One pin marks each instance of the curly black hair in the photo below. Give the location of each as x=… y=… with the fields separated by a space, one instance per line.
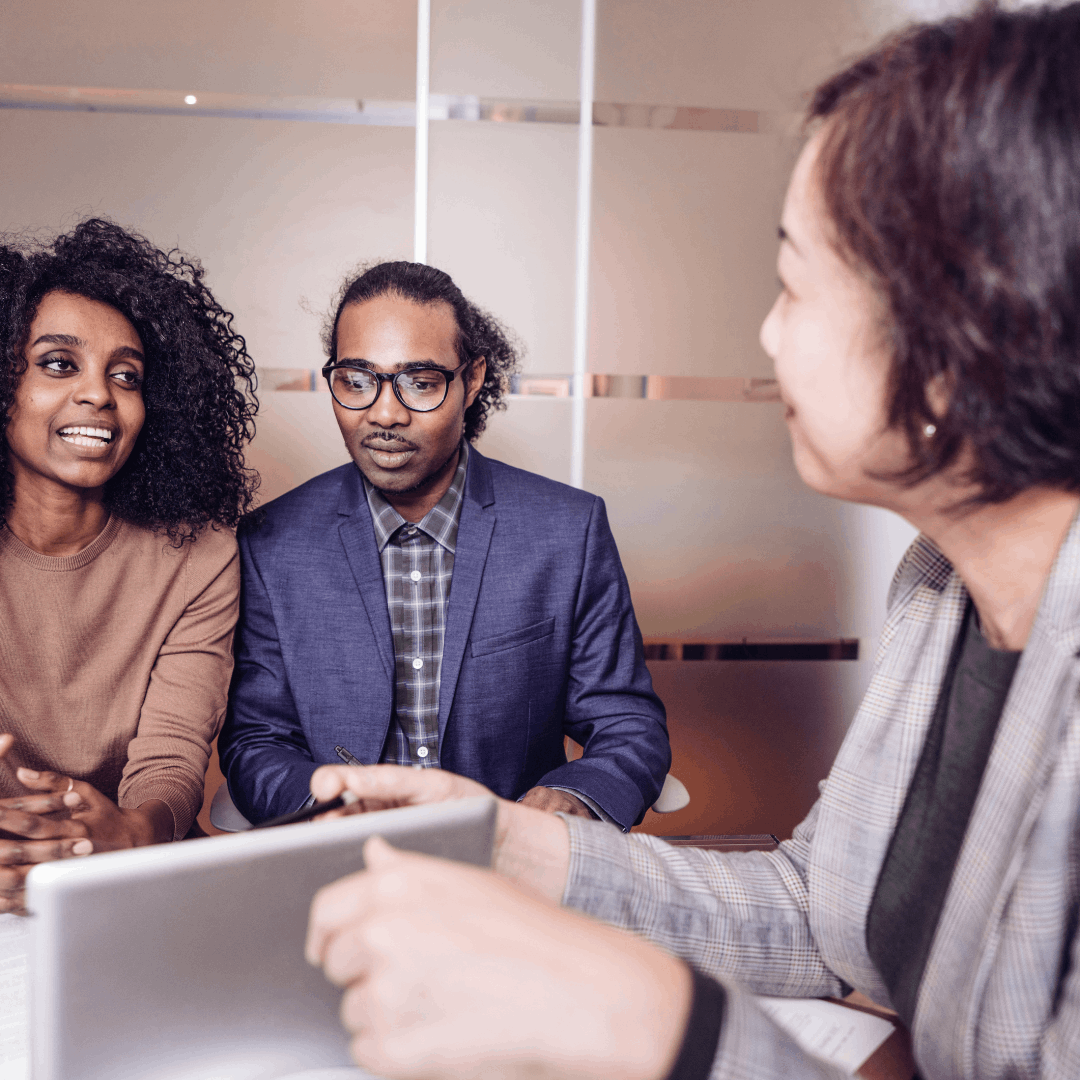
x=187 y=468
x=479 y=334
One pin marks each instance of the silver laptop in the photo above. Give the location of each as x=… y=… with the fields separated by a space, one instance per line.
x=185 y=961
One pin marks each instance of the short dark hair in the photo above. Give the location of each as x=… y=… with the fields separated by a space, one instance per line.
x=950 y=169
x=479 y=334
x=187 y=467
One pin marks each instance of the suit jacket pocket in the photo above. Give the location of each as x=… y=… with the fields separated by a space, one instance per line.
x=514 y=638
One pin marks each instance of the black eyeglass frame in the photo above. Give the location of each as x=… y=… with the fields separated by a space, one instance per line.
x=392 y=378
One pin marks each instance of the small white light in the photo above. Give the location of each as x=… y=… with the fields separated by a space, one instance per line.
x=190 y=99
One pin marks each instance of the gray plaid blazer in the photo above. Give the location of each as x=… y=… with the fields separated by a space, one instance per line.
x=1000 y=996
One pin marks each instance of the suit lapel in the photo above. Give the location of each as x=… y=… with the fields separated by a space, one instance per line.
x=361 y=551
x=473 y=542
x=1009 y=802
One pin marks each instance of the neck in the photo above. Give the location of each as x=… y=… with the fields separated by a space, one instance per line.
x=1003 y=554
x=53 y=520
x=414 y=505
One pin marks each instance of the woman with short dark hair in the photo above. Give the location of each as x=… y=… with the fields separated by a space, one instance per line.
x=927 y=347
x=125 y=398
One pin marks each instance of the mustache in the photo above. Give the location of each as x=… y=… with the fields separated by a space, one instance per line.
x=387 y=441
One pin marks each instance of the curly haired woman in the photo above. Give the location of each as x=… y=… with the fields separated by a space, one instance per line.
x=125 y=403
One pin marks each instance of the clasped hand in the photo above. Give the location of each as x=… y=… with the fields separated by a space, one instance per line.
x=63 y=819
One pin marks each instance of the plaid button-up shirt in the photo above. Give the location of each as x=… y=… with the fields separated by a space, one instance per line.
x=417 y=564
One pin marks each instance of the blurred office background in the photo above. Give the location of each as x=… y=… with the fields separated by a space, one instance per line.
x=277 y=141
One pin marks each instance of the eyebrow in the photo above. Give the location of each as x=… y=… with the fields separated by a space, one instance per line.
x=123 y=352
x=59 y=339
x=409 y=365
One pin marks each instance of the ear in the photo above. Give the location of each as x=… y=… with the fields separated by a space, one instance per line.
x=939 y=393
x=474 y=379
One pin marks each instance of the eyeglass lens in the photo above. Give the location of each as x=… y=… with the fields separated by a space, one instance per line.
x=419 y=390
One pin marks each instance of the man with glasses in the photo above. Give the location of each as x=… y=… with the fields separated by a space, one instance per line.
x=426 y=606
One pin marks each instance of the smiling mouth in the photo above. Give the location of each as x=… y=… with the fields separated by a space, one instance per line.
x=86 y=436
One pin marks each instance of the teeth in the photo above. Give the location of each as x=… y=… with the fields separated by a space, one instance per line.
x=89 y=432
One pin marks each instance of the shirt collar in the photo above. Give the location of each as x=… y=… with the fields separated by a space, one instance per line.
x=440 y=522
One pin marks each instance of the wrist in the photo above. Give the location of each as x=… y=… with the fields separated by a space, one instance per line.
x=531 y=848
x=152 y=823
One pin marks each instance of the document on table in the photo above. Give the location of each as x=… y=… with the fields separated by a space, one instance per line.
x=841 y=1036
x=14 y=998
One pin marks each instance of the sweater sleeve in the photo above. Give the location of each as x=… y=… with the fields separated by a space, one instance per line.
x=189 y=684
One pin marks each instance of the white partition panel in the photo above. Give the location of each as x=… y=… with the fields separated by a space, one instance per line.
x=501 y=223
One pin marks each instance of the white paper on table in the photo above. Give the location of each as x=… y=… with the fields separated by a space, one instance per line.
x=841 y=1036
x=14 y=998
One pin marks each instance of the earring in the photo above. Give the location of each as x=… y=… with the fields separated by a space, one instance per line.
x=929 y=430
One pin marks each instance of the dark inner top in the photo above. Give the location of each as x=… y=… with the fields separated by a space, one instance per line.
x=922 y=854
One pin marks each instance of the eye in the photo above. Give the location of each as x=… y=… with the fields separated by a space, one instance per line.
x=424 y=382
x=354 y=379
x=128 y=378
x=57 y=365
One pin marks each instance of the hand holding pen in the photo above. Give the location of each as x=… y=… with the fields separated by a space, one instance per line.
x=317 y=809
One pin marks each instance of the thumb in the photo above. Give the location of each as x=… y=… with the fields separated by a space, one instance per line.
x=379 y=855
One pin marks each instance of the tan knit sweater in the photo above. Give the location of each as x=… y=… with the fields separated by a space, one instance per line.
x=115 y=662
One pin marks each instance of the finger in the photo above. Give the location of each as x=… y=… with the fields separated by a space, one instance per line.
x=45 y=781
x=13 y=905
x=334 y=907
x=40 y=851
x=353 y=899
x=36 y=827
x=13 y=878
x=392 y=785
x=7 y=741
x=35 y=804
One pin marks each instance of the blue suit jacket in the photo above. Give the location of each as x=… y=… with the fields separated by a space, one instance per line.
x=541 y=642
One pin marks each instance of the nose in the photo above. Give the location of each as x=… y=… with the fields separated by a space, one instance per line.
x=387 y=411
x=769 y=334
x=94 y=388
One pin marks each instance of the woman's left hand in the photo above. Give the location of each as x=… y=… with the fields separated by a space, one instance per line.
x=108 y=826
x=31 y=834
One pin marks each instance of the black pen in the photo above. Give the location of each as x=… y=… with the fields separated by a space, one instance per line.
x=349 y=759
x=306 y=813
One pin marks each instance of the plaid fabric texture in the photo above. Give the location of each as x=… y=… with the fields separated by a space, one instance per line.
x=1000 y=995
x=417 y=564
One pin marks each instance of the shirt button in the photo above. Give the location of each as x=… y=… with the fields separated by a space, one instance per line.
x=415 y=575
x=418 y=663
x=422 y=752
x=411 y=531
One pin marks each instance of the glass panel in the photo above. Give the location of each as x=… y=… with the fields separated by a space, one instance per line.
x=745 y=548
x=502 y=215
x=492 y=49
x=531 y=434
x=363 y=49
x=742 y=54
x=683 y=251
x=278 y=212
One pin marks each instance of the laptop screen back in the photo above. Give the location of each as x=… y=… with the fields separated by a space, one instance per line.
x=185 y=961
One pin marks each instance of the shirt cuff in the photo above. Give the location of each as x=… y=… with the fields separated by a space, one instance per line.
x=702 y=1035
x=595 y=809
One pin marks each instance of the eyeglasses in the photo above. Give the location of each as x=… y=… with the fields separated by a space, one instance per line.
x=419 y=390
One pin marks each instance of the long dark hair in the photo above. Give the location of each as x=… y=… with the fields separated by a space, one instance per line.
x=479 y=334
x=950 y=167
x=187 y=467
